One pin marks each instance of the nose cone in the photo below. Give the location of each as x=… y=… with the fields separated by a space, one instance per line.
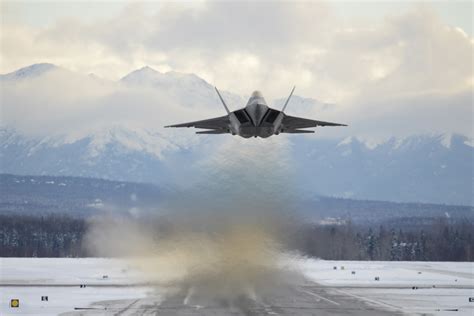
x=256 y=107
x=256 y=98
x=256 y=94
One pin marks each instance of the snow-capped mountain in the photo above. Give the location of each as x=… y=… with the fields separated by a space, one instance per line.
x=147 y=76
x=135 y=147
x=187 y=89
x=115 y=153
x=417 y=168
x=32 y=71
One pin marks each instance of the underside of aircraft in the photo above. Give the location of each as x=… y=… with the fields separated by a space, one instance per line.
x=256 y=119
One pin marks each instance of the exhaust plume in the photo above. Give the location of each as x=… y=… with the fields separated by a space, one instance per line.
x=220 y=238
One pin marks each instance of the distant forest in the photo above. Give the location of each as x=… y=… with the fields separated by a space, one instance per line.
x=436 y=240
x=41 y=236
x=441 y=240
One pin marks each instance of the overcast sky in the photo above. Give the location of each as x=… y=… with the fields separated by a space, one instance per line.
x=381 y=62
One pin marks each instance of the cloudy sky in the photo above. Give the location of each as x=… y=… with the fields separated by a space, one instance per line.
x=402 y=65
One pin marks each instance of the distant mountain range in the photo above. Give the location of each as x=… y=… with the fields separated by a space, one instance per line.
x=84 y=197
x=419 y=168
x=74 y=196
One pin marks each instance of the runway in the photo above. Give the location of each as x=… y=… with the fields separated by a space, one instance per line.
x=308 y=299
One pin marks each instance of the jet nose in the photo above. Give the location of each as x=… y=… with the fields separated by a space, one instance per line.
x=256 y=94
x=256 y=97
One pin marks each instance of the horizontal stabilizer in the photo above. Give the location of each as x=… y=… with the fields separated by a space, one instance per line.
x=297 y=131
x=217 y=131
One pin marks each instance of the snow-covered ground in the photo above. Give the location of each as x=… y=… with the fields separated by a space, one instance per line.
x=27 y=279
x=393 y=274
x=68 y=271
x=442 y=286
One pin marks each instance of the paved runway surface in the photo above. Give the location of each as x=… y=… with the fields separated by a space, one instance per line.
x=310 y=299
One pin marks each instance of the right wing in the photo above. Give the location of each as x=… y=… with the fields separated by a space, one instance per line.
x=219 y=123
x=293 y=122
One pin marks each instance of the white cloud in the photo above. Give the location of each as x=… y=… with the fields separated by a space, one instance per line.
x=407 y=73
x=63 y=102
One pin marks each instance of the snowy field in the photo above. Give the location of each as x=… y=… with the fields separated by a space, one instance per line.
x=442 y=288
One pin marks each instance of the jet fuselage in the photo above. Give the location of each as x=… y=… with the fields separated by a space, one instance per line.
x=256 y=119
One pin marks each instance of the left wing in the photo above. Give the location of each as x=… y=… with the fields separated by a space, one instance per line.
x=221 y=122
x=293 y=122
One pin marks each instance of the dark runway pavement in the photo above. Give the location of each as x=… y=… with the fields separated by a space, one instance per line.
x=308 y=299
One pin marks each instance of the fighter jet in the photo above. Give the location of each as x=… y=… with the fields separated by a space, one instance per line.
x=257 y=119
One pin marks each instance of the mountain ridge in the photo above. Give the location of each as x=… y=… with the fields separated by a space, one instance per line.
x=420 y=166
x=426 y=167
x=85 y=196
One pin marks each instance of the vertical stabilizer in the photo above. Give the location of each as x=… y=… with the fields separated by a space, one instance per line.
x=288 y=100
x=222 y=100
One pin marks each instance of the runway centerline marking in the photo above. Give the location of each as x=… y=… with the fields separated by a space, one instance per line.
x=320 y=297
x=127 y=307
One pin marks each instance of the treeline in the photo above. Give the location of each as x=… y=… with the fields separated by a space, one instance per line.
x=43 y=236
x=440 y=240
